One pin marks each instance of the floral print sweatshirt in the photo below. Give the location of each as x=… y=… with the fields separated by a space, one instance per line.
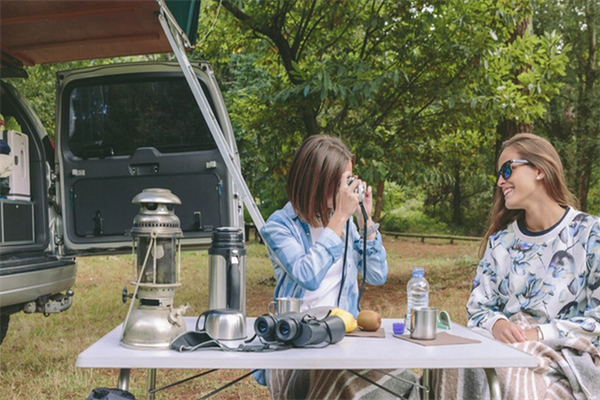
x=553 y=275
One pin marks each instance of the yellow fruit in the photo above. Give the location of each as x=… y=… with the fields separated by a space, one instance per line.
x=369 y=320
x=349 y=320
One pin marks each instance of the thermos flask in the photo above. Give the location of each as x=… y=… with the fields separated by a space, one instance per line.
x=227 y=270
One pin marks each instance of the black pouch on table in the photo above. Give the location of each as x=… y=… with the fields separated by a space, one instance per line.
x=193 y=340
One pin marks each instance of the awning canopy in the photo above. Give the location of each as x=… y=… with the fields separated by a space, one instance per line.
x=48 y=31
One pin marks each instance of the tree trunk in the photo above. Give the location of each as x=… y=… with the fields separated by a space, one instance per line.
x=586 y=130
x=378 y=198
x=309 y=116
x=587 y=151
x=509 y=128
x=583 y=188
x=586 y=146
x=456 y=197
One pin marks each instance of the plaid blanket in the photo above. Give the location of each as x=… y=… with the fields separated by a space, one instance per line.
x=341 y=384
x=568 y=368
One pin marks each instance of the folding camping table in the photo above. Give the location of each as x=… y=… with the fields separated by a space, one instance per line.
x=352 y=353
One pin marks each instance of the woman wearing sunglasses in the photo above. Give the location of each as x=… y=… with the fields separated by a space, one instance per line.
x=537 y=286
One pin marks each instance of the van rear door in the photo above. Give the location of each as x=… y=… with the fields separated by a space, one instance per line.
x=124 y=128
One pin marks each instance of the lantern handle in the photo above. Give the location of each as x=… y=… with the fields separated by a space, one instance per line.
x=137 y=285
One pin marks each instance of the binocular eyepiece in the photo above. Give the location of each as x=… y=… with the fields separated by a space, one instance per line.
x=300 y=330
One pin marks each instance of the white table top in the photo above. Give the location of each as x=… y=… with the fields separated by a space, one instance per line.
x=350 y=353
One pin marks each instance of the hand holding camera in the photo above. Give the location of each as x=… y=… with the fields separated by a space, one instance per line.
x=360 y=189
x=348 y=202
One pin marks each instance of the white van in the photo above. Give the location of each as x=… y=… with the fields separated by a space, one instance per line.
x=119 y=129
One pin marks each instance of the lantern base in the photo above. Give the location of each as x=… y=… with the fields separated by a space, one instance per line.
x=153 y=328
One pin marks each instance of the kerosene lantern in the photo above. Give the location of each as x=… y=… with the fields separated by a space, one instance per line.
x=153 y=322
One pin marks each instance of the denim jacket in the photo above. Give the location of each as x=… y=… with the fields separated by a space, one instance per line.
x=299 y=265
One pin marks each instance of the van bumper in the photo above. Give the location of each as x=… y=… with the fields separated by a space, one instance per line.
x=19 y=286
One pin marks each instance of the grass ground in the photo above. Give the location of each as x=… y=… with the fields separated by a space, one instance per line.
x=37 y=359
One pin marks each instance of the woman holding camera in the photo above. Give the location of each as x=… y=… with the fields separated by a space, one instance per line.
x=306 y=239
x=317 y=253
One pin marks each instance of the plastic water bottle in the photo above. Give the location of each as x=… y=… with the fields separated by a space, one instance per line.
x=417 y=290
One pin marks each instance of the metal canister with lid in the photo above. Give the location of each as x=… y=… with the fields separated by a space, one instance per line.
x=227 y=270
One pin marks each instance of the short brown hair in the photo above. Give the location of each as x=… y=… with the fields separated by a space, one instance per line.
x=314 y=175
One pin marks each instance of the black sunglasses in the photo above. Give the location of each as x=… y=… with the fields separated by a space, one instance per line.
x=506 y=168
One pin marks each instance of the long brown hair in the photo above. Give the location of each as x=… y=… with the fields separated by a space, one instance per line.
x=539 y=152
x=314 y=175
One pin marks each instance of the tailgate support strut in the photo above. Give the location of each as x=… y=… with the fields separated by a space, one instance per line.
x=169 y=24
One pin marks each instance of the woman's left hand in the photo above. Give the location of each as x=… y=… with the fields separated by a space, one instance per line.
x=532 y=334
x=368 y=205
x=508 y=332
x=367 y=202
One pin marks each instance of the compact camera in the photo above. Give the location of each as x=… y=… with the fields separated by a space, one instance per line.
x=300 y=330
x=360 y=189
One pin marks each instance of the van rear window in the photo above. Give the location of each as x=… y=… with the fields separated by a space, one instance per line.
x=115 y=118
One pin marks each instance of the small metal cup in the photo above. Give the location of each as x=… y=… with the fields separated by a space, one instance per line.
x=424 y=323
x=223 y=324
x=283 y=305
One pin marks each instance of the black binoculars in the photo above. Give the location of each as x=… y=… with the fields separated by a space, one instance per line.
x=299 y=330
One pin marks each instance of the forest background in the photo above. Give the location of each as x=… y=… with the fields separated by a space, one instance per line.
x=423 y=92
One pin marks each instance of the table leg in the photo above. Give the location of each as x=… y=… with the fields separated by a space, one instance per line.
x=123 y=381
x=492 y=378
x=151 y=384
x=426 y=384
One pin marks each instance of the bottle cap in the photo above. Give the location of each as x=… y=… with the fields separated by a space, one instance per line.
x=418 y=272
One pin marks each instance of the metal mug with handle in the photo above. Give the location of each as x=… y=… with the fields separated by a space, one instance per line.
x=223 y=324
x=423 y=323
x=283 y=305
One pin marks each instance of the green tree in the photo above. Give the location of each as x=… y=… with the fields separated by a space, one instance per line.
x=40 y=86
x=574 y=123
x=386 y=76
x=39 y=90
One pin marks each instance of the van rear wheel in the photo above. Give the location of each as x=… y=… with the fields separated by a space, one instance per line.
x=4 y=320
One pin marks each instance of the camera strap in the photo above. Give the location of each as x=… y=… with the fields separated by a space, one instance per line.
x=201 y=340
x=364 y=234
x=362 y=284
x=344 y=264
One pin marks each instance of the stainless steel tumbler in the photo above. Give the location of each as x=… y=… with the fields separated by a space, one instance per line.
x=227 y=273
x=424 y=323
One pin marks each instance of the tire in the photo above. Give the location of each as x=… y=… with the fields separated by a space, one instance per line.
x=4 y=320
